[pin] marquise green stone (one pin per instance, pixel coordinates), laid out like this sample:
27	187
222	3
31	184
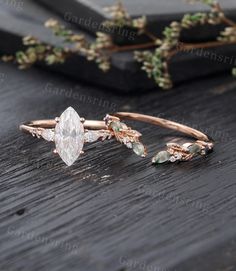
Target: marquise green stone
139	149
161	157
116	126
194	149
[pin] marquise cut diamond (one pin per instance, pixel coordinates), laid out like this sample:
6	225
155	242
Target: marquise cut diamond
69	136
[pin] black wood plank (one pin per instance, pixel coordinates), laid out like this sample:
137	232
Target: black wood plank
112	210
125	74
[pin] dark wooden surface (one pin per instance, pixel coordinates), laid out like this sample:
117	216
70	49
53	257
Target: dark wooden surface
113	211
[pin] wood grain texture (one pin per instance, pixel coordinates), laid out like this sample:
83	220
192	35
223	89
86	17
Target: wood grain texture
114	211
125	74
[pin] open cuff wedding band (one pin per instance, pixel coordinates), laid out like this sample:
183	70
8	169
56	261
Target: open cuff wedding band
175	152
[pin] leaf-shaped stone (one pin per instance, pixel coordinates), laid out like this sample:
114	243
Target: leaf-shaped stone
69	136
161	157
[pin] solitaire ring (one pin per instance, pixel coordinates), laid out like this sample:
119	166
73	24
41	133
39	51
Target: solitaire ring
70	132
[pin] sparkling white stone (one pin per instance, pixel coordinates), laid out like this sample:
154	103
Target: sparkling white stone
48	134
69	136
92	136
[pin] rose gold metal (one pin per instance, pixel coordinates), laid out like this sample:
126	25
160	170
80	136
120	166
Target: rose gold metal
37	126
165	124
176	151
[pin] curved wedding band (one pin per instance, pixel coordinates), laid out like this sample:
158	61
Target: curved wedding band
175	152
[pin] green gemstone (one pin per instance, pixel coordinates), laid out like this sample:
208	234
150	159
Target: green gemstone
116	126
161	157
139	149
194	149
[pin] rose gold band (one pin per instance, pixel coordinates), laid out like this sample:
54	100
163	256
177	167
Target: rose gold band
164	123
49	124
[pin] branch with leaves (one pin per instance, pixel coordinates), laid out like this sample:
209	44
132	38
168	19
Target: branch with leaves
154	56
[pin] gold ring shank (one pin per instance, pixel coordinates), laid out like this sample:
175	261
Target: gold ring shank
164	123
50	124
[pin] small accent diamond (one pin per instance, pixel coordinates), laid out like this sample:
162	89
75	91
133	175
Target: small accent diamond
173	159
91	136
48	134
